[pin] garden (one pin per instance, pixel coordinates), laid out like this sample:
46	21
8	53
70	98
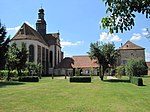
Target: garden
59	95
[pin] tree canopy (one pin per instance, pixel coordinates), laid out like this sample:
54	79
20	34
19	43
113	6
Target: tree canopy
122	14
4	44
105	54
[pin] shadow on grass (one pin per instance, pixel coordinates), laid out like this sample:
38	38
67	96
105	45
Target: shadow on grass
117	80
11	83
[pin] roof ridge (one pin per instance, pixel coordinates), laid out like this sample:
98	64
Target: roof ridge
25	30
130	45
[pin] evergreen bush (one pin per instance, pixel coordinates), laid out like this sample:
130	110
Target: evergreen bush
29	79
137	81
80	79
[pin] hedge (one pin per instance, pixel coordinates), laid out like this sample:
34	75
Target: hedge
80	79
29	79
137	81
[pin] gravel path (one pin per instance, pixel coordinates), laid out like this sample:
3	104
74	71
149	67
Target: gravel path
110	77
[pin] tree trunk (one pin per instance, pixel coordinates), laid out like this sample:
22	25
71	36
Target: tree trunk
8	77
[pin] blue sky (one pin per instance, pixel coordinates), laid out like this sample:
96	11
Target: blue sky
76	20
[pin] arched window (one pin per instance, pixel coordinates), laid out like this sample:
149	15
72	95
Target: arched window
31	53
51	58
58	56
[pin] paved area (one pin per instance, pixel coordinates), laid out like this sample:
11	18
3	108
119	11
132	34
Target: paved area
111	77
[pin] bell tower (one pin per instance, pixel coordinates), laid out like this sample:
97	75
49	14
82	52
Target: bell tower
41	23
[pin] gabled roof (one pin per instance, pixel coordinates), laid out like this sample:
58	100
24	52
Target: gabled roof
84	62
77	62
28	33
130	46
66	63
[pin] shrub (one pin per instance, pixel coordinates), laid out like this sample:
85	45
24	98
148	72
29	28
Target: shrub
3	74
14	73
136	68
29	79
80	79
120	71
137	81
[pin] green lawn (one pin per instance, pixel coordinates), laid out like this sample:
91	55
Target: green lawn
59	95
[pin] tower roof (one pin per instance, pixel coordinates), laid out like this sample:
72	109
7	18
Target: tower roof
131	46
28	33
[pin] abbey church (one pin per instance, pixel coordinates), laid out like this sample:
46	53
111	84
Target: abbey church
43	48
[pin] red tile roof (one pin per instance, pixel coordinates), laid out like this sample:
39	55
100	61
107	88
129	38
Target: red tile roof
78	62
84	62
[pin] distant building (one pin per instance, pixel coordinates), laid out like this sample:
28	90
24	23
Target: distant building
70	65
130	51
43	48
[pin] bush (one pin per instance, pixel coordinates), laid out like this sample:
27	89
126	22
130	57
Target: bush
137	81
29	79
14	73
3	74
120	71
136	68
80	79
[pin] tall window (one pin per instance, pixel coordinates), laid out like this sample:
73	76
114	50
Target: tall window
31	53
51	58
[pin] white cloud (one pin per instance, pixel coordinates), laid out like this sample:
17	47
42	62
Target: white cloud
105	37
13	29
136	37
147	57
66	54
68	43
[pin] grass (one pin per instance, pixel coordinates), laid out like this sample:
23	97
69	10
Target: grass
59	95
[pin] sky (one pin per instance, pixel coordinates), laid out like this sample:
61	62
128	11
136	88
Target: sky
78	22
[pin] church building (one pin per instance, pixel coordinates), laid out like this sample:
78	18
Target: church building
43	47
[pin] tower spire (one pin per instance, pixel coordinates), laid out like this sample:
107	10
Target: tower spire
41	23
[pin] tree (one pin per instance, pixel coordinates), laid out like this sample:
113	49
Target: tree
136	67
105	54
96	53
22	56
11	60
4	44
122	14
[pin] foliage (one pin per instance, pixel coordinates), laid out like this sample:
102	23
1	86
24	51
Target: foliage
80	79
34	68
12	60
16	58
137	81
29	79
120	71
4	44
77	72
3	74
22	56
122	14
105	54
136	67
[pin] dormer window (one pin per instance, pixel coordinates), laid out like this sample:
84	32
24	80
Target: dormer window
127	46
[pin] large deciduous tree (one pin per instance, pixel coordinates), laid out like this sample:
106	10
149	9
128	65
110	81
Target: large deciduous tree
16	58
122	14
12	59
105	54
4	44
